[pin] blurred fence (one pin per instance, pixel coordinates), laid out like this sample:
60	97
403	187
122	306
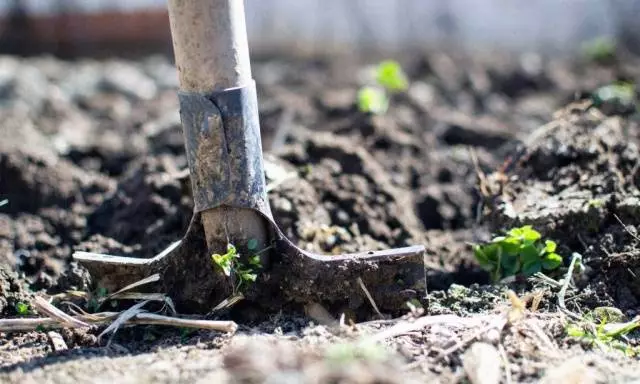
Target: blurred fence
311	26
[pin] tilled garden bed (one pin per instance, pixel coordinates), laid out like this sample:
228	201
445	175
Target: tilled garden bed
93	159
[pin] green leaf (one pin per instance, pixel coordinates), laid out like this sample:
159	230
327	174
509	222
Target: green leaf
493	252
252	244
620	93
255	261
372	100
525	233
249	277
510	246
223	262
530	235
498	239
390	75
479	254
529	254
599	49
515	232
231	250
22	309
550	246
551	261
575	331
510	265
531	268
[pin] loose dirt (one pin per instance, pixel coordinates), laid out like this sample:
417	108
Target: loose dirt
92	159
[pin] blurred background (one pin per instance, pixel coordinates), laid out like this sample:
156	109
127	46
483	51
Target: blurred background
129	27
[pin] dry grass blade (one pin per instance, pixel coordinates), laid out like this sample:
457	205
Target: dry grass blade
123	318
369	297
228	302
151	279
626	228
154	319
563	291
169	303
44	307
449	320
138	296
498	323
25	325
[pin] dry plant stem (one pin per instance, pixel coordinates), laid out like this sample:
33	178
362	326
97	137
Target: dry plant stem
151	279
43	306
406	327
25	325
563	291
369	297
498	324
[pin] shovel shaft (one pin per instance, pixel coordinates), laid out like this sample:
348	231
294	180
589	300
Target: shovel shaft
212	55
210	44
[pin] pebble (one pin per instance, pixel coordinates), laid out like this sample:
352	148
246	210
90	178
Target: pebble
481	363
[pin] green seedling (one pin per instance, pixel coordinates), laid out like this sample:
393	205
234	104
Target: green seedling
595	203
373	100
520	251
604	329
390	75
601	49
22	309
621	95
225	261
389	78
229	263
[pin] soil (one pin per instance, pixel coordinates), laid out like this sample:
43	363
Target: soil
93	159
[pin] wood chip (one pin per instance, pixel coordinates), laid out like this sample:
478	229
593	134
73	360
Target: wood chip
57	342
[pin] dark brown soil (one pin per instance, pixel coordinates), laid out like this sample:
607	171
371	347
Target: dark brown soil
92	159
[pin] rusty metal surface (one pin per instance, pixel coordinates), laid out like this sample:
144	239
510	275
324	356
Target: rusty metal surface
224	151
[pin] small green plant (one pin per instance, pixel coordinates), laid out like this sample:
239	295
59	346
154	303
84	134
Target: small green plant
22	309
225	261
373	100
601	49
595	203
521	250
620	95
390	75
602	328
389	78
229	263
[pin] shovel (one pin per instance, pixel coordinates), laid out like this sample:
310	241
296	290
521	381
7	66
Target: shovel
219	114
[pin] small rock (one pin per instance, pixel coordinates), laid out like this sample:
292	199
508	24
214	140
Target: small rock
481	363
